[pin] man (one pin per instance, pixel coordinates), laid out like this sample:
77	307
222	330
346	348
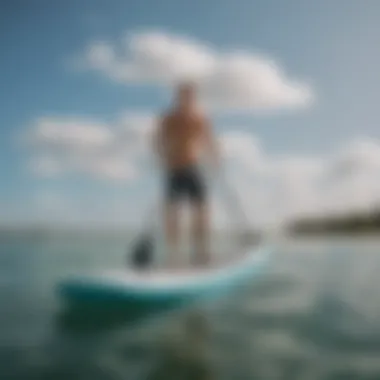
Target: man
182	137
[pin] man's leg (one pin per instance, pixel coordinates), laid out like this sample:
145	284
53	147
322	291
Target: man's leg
200	216
201	233
172	231
174	189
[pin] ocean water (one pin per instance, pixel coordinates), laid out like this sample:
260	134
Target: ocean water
314	315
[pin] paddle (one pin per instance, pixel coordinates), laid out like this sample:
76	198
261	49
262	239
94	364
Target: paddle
141	254
142	251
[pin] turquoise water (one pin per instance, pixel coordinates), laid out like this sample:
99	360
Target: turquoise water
315	314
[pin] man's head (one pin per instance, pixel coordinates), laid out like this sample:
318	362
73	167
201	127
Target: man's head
186	94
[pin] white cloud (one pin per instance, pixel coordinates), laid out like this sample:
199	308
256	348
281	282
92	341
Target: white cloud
271	188
243	148
73	133
80	145
229	80
112	168
279	188
357	155
134	131
351	178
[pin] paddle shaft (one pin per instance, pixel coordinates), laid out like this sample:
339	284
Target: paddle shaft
143	248
235	202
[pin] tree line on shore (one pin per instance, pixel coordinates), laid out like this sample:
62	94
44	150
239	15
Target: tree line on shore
349	223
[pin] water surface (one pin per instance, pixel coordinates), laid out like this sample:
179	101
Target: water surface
316	313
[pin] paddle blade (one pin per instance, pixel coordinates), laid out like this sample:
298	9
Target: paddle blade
142	252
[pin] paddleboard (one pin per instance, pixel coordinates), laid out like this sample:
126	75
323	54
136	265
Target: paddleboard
163	286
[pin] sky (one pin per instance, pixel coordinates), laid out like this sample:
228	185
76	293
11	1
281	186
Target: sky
292	89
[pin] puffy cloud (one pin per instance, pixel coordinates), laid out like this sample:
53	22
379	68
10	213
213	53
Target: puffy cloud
357	155
270	188
134	131
352	178
243	148
73	133
229	80
69	145
274	189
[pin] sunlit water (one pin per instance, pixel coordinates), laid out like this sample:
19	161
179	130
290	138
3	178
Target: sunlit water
315	314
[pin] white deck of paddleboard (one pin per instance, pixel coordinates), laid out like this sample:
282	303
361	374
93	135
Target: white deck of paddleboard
163	279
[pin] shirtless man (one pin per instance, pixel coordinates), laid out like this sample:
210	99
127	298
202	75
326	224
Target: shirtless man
182	137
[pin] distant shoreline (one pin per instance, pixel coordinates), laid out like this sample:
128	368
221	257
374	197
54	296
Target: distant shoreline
333	234
343	226
34	232
353	225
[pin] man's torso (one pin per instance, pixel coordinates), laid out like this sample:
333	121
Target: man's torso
182	135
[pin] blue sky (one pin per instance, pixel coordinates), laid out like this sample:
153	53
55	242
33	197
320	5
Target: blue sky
329	45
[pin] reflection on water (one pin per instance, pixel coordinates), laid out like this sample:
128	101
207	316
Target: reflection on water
185	357
107	347
315	315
